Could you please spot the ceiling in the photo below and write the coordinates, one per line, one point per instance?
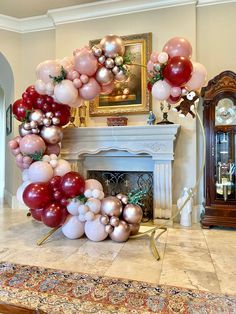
(28, 8)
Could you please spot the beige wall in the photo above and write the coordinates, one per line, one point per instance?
(210, 29)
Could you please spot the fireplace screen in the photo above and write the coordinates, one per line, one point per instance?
(115, 182)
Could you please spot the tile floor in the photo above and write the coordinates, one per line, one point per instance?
(190, 257)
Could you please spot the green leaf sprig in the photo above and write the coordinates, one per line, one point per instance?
(36, 156)
(59, 78)
(135, 197)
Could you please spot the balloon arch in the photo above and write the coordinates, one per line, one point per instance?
(57, 196)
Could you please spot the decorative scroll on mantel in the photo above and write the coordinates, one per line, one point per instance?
(153, 143)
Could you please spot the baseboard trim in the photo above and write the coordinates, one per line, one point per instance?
(12, 200)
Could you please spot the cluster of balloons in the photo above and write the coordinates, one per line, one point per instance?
(87, 74)
(171, 72)
(98, 217)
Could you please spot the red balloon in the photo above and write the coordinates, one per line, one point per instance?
(57, 195)
(62, 112)
(178, 71)
(19, 109)
(37, 195)
(54, 215)
(39, 102)
(36, 213)
(55, 183)
(72, 184)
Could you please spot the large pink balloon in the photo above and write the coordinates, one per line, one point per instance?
(65, 92)
(85, 62)
(63, 166)
(161, 90)
(46, 69)
(40, 171)
(178, 46)
(31, 144)
(90, 90)
(53, 149)
(198, 77)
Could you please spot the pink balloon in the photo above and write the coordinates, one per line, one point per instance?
(175, 91)
(154, 57)
(13, 144)
(107, 88)
(20, 191)
(85, 62)
(198, 78)
(46, 69)
(77, 83)
(77, 103)
(150, 66)
(161, 90)
(84, 79)
(19, 158)
(16, 151)
(31, 144)
(91, 184)
(73, 228)
(52, 149)
(90, 90)
(178, 46)
(65, 92)
(95, 230)
(40, 171)
(67, 63)
(40, 87)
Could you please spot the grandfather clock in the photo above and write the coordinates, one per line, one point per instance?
(219, 118)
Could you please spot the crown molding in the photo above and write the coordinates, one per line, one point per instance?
(202, 3)
(107, 8)
(26, 25)
(91, 11)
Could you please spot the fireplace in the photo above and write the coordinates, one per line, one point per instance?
(140, 149)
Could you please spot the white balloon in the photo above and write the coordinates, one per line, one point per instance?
(63, 166)
(20, 191)
(25, 175)
(89, 216)
(96, 193)
(163, 57)
(95, 230)
(82, 217)
(73, 206)
(101, 196)
(94, 205)
(83, 209)
(73, 228)
(161, 90)
(40, 87)
(88, 193)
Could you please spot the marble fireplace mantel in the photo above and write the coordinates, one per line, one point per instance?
(127, 148)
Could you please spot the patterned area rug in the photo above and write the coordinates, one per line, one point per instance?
(55, 291)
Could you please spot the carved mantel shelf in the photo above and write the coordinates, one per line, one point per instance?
(154, 141)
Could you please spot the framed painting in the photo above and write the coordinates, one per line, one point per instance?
(9, 120)
(138, 101)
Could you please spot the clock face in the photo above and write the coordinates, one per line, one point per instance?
(225, 112)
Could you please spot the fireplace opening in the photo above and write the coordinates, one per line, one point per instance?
(115, 182)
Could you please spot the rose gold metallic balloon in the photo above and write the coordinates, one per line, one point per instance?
(134, 228)
(119, 60)
(120, 76)
(132, 213)
(119, 196)
(111, 206)
(35, 131)
(33, 124)
(47, 121)
(109, 229)
(109, 63)
(115, 70)
(22, 131)
(49, 115)
(104, 219)
(104, 75)
(52, 134)
(97, 51)
(112, 46)
(124, 199)
(121, 232)
(37, 116)
(102, 59)
(55, 121)
(114, 221)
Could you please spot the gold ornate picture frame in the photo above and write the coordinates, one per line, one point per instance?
(139, 46)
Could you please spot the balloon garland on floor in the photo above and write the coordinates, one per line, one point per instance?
(60, 197)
